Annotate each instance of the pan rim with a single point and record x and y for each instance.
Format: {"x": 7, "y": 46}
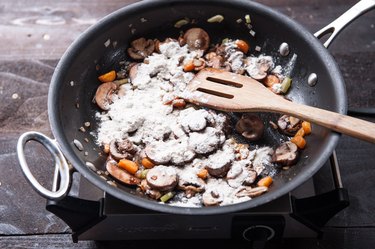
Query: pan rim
{"x": 65, "y": 145}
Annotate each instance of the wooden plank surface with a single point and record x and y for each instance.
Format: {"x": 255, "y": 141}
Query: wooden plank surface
{"x": 34, "y": 35}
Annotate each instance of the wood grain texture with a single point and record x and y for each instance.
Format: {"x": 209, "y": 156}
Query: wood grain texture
{"x": 241, "y": 93}
{"x": 334, "y": 238}
{"x": 34, "y": 35}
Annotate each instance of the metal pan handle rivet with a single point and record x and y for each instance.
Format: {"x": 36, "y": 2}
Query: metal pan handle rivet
{"x": 61, "y": 165}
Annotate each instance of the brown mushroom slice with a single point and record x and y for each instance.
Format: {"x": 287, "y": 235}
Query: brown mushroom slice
{"x": 251, "y": 192}
{"x": 196, "y": 39}
{"x": 206, "y": 141}
{"x": 121, "y": 175}
{"x": 162, "y": 178}
{"x": 257, "y": 67}
{"x": 193, "y": 120}
{"x": 286, "y": 154}
{"x": 103, "y": 95}
{"x": 289, "y": 125}
{"x": 251, "y": 177}
{"x": 219, "y": 163}
{"x": 133, "y": 70}
{"x": 244, "y": 176}
{"x": 190, "y": 182}
{"x": 214, "y": 60}
{"x": 123, "y": 149}
{"x": 159, "y": 43}
{"x": 154, "y": 194}
{"x": 250, "y": 126}
{"x": 141, "y": 48}
{"x": 157, "y": 153}
{"x": 235, "y": 171}
{"x": 211, "y": 198}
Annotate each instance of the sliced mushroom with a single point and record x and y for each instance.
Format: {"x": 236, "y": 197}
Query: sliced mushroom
{"x": 234, "y": 171}
{"x": 199, "y": 64}
{"x": 141, "y": 48}
{"x": 123, "y": 149}
{"x": 251, "y": 177}
{"x": 157, "y": 154}
{"x": 196, "y": 38}
{"x": 219, "y": 163}
{"x": 286, "y": 154}
{"x": 103, "y": 95}
{"x": 244, "y": 175}
{"x": 193, "y": 120}
{"x": 251, "y": 192}
{"x": 211, "y": 198}
{"x": 250, "y": 126}
{"x": 191, "y": 184}
{"x": 206, "y": 141}
{"x": 121, "y": 175}
{"x": 133, "y": 69}
{"x": 289, "y": 125}
{"x": 257, "y": 67}
{"x": 162, "y": 178}
{"x": 214, "y": 60}
{"x": 154, "y": 194}
{"x": 159, "y": 43}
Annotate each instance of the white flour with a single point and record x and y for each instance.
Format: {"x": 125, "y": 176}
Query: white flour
{"x": 172, "y": 136}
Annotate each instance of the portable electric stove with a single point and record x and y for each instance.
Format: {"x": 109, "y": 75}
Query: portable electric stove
{"x": 95, "y": 215}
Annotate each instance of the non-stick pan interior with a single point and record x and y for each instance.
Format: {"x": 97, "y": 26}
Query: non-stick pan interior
{"x": 102, "y": 47}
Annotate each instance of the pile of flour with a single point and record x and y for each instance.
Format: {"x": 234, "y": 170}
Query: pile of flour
{"x": 181, "y": 139}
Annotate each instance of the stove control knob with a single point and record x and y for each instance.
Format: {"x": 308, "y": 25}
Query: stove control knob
{"x": 258, "y": 233}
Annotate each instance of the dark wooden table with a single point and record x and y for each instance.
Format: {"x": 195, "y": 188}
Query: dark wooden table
{"x": 34, "y": 35}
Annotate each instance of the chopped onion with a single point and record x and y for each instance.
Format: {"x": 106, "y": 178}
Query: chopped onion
{"x": 285, "y": 85}
{"x": 217, "y": 18}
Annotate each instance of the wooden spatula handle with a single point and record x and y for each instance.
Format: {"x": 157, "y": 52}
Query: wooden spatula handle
{"x": 341, "y": 123}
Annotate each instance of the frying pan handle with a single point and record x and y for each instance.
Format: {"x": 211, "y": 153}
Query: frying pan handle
{"x": 335, "y": 27}
{"x": 61, "y": 166}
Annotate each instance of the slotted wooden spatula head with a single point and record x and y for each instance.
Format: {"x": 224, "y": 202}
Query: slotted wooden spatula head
{"x": 227, "y": 91}
{"x": 222, "y": 90}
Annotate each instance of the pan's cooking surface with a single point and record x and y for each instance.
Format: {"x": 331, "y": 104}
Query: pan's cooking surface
{"x": 79, "y": 63}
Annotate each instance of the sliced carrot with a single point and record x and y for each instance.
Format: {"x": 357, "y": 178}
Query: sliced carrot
{"x": 203, "y": 173}
{"x": 242, "y": 45}
{"x": 178, "y": 103}
{"x": 300, "y": 132}
{"x": 306, "y": 127}
{"x": 146, "y": 162}
{"x": 299, "y": 141}
{"x": 265, "y": 181}
{"x": 188, "y": 67}
{"x": 271, "y": 80}
{"x": 108, "y": 77}
{"x": 128, "y": 165}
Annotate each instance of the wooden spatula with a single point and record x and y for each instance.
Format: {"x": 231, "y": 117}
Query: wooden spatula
{"x": 227, "y": 91}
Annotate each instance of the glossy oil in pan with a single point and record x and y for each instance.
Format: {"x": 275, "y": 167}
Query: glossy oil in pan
{"x": 121, "y": 27}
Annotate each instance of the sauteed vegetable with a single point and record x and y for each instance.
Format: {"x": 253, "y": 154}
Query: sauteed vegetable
{"x": 178, "y": 153}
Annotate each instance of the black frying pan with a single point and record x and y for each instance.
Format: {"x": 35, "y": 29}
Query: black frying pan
{"x": 79, "y": 64}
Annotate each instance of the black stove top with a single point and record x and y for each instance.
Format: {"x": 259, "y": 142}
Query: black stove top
{"x": 95, "y": 215}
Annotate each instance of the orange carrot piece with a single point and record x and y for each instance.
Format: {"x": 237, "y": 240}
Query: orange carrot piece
{"x": 128, "y": 165}
{"x": 188, "y": 67}
{"x": 265, "y": 181}
{"x": 299, "y": 141}
{"x": 242, "y": 45}
{"x": 300, "y": 132}
{"x": 146, "y": 162}
{"x": 203, "y": 173}
{"x": 306, "y": 127}
{"x": 108, "y": 77}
